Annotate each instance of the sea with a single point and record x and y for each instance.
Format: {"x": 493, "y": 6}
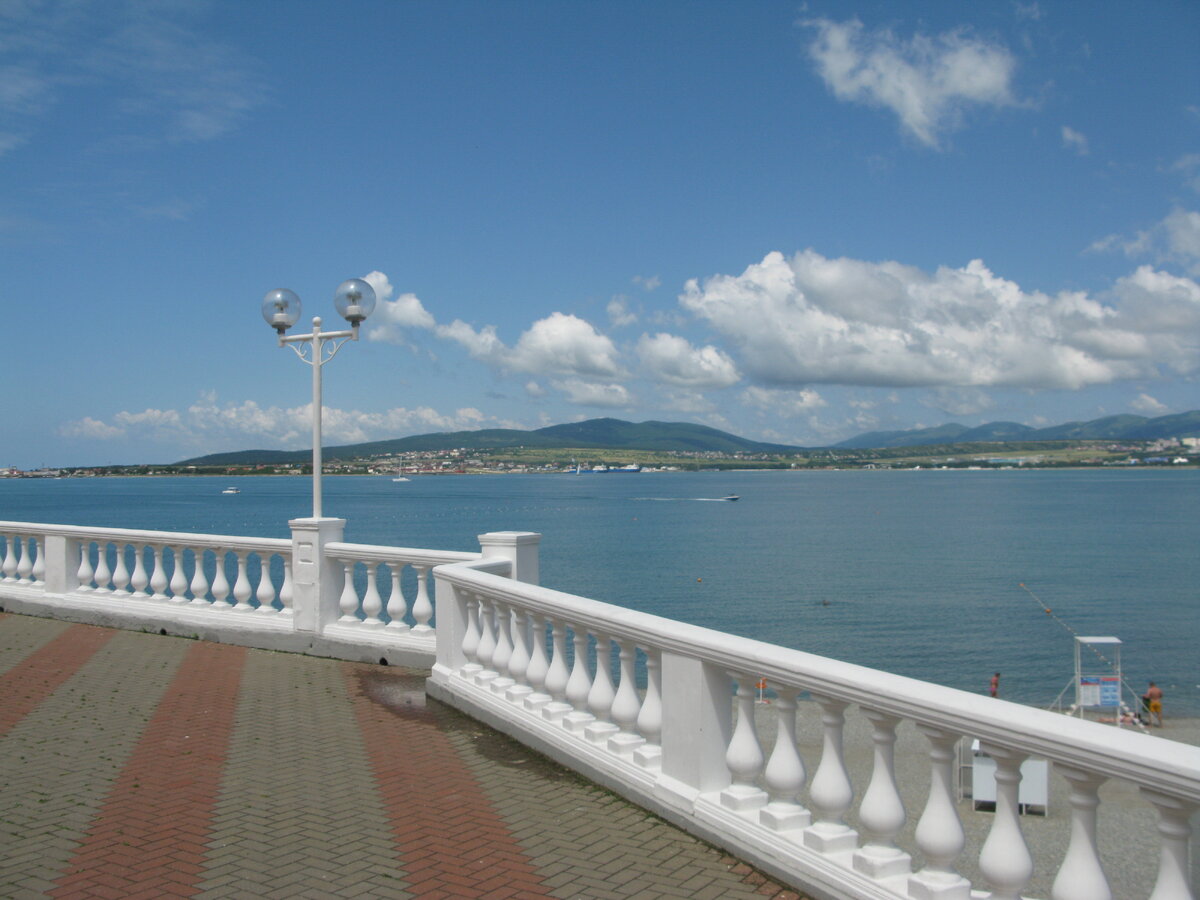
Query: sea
{"x": 942, "y": 575}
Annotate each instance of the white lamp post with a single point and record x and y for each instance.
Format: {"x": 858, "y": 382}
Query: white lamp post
{"x": 355, "y": 300}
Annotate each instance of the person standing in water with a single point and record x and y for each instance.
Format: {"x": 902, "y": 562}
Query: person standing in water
{"x": 1153, "y": 699}
{"x": 994, "y": 687}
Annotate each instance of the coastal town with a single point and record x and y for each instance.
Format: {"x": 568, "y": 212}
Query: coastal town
{"x": 1168, "y": 452}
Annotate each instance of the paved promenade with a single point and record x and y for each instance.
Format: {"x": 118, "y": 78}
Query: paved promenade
{"x": 139, "y": 766}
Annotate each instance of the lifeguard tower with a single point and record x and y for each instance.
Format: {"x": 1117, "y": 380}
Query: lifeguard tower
{"x": 1098, "y": 680}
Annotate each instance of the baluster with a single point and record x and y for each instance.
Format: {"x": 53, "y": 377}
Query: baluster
{"x": 422, "y": 608}
{"x": 86, "y": 573}
{"x": 601, "y": 696}
{"x": 539, "y": 665}
{"x": 265, "y": 595}
{"x": 241, "y": 585}
{"x": 348, "y": 602}
{"x": 784, "y": 775}
{"x": 9, "y": 566}
{"x": 471, "y": 638}
{"x": 939, "y": 835}
{"x": 579, "y": 685}
{"x": 831, "y": 792}
{"x": 882, "y": 811}
{"x": 120, "y": 575}
{"x": 286, "y": 592}
{"x": 220, "y": 584}
{"x": 518, "y": 662}
{"x": 649, "y": 720}
{"x": 158, "y": 578}
{"x": 626, "y": 705}
{"x": 39, "y": 560}
{"x": 199, "y": 579}
{"x": 1081, "y": 877}
{"x": 140, "y": 579}
{"x": 744, "y": 756}
{"x": 1173, "y": 832}
{"x": 103, "y": 575}
{"x": 487, "y": 642}
{"x": 1004, "y": 859}
{"x": 504, "y": 648}
{"x": 557, "y": 676}
{"x": 396, "y": 606}
{"x": 372, "y": 603}
{"x": 179, "y": 581}
{"x": 25, "y": 566}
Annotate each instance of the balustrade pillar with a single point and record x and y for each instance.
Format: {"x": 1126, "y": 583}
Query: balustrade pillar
{"x": 579, "y": 685}
{"x": 316, "y": 583}
{"x": 471, "y": 636}
{"x": 120, "y": 572}
{"x": 348, "y": 598}
{"x": 539, "y": 665}
{"x": 831, "y": 792}
{"x": 1004, "y": 859}
{"x": 103, "y": 574}
{"x": 744, "y": 755}
{"x": 158, "y": 575}
{"x": 1081, "y": 877}
{"x": 504, "y": 648}
{"x": 601, "y": 696}
{"x": 1173, "y": 833}
{"x": 518, "y": 662}
{"x": 25, "y": 566}
{"x": 11, "y": 557}
{"x": 39, "y": 560}
{"x": 784, "y": 775}
{"x": 139, "y": 580}
{"x": 241, "y": 584}
{"x": 179, "y": 581}
{"x": 397, "y": 608}
{"x": 882, "y": 811}
{"x": 557, "y": 675}
{"x": 487, "y": 641}
{"x": 372, "y": 604}
{"x": 85, "y": 573}
{"x": 287, "y": 595}
{"x": 220, "y": 582}
{"x": 626, "y": 705}
{"x": 940, "y": 836}
{"x": 650, "y": 718}
{"x": 199, "y": 579}
{"x": 422, "y": 608}
{"x": 265, "y": 595}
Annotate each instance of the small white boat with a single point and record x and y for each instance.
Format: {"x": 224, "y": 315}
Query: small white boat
{"x": 401, "y": 478}
{"x": 231, "y": 490}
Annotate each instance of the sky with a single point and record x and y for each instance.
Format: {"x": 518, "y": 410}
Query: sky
{"x": 792, "y": 221}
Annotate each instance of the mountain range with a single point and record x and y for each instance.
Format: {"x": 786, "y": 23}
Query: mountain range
{"x": 614, "y": 434}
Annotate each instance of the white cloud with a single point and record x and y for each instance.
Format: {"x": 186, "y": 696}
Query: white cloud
{"x": 590, "y": 393}
{"x": 1189, "y": 168}
{"x": 928, "y": 82}
{"x": 618, "y": 312}
{"x": 1075, "y": 140}
{"x": 559, "y": 344}
{"x": 87, "y": 427}
{"x": 533, "y": 389}
{"x": 812, "y": 320}
{"x": 1176, "y": 239}
{"x": 1144, "y": 403}
{"x": 672, "y": 359}
{"x": 782, "y": 402}
{"x": 647, "y": 283}
{"x": 392, "y": 317}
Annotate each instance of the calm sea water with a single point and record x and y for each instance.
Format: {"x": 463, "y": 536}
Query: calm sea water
{"x": 915, "y": 572}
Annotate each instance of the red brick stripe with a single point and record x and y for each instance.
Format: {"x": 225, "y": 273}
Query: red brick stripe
{"x": 40, "y": 674}
{"x": 451, "y": 842}
{"x": 149, "y": 836}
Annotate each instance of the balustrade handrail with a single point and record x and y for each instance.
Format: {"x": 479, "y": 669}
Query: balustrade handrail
{"x": 1153, "y": 763}
{"x": 378, "y": 553}
{"x": 131, "y": 535}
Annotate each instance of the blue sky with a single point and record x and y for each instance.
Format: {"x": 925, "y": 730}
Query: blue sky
{"x": 792, "y": 221}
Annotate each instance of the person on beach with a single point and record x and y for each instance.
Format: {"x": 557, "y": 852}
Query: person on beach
{"x": 994, "y": 687}
{"x": 1153, "y": 700}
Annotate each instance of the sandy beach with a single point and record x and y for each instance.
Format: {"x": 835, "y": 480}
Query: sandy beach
{"x": 1126, "y": 828}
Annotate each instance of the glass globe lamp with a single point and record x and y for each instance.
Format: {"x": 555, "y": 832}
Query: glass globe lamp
{"x": 355, "y": 300}
{"x": 281, "y": 309}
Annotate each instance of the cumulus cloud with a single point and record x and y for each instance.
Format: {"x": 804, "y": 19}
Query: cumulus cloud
{"x": 618, "y": 312}
{"x": 647, "y": 283}
{"x": 927, "y": 82}
{"x": 813, "y": 320}
{"x": 560, "y": 344}
{"x": 210, "y": 423}
{"x": 1176, "y": 239}
{"x": 591, "y": 393}
{"x": 1144, "y": 403}
{"x": 392, "y": 317}
{"x": 782, "y": 402}
{"x": 669, "y": 358}
{"x": 1075, "y": 140}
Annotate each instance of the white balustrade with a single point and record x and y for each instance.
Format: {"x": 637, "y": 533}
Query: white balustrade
{"x": 1004, "y": 859}
{"x": 601, "y": 695}
{"x": 939, "y": 834}
{"x": 882, "y": 811}
{"x": 831, "y": 792}
{"x": 1081, "y": 876}
{"x": 785, "y": 775}
{"x": 626, "y": 705}
{"x": 579, "y": 685}
{"x": 744, "y": 756}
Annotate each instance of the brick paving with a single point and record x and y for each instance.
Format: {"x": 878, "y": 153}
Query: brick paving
{"x": 135, "y": 765}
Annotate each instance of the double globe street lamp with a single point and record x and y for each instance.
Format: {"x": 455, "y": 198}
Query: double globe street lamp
{"x": 354, "y": 300}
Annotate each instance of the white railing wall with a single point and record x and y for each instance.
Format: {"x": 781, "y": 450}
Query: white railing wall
{"x": 559, "y": 673}
{"x": 312, "y": 593}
